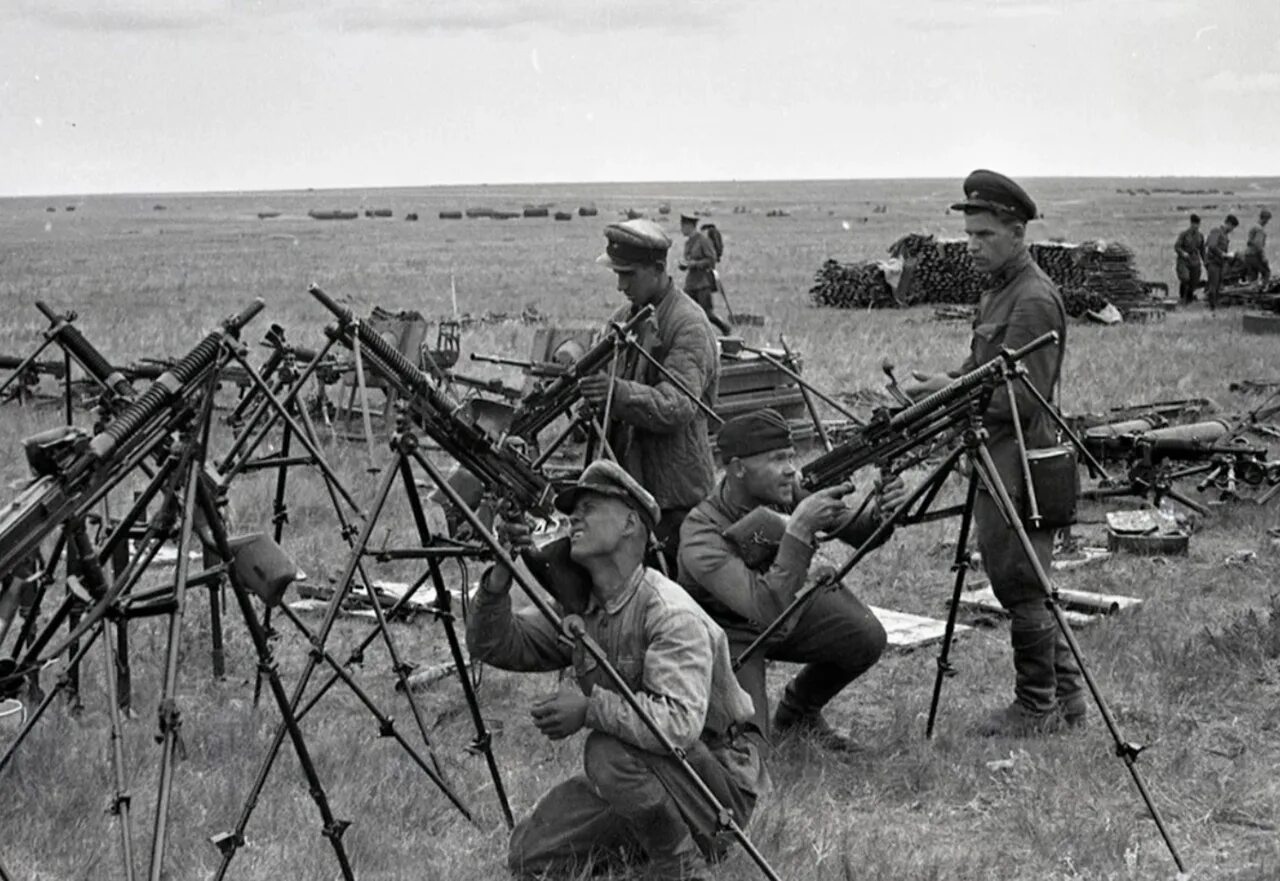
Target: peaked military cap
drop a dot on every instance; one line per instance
(1264, 214)
(689, 218)
(991, 191)
(632, 243)
(609, 479)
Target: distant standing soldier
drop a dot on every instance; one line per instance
(1255, 251)
(699, 265)
(659, 433)
(1190, 250)
(1217, 250)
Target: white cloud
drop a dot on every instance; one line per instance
(1233, 82)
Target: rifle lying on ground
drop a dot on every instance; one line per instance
(498, 465)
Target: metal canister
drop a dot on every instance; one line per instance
(1207, 432)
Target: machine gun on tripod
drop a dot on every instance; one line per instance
(1158, 457)
(113, 383)
(504, 473)
(557, 397)
(169, 422)
(896, 440)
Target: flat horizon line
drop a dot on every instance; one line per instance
(651, 182)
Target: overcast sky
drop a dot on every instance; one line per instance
(177, 95)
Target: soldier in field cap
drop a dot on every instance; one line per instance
(699, 266)
(659, 434)
(632, 799)
(1217, 252)
(1021, 303)
(1189, 248)
(746, 551)
(1255, 251)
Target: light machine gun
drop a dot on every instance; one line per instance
(507, 474)
(498, 465)
(74, 472)
(1154, 457)
(545, 405)
(957, 411)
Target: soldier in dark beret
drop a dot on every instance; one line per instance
(1189, 248)
(699, 267)
(1021, 303)
(835, 635)
(659, 434)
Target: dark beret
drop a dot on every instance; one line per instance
(760, 431)
(1264, 214)
(1232, 220)
(1195, 218)
(991, 191)
(632, 243)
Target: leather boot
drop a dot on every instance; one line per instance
(788, 722)
(1071, 695)
(1034, 709)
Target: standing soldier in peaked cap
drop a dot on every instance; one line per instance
(1255, 251)
(632, 800)
(1189, 248)
(659, 433)
(1021, 304)
(699, 266)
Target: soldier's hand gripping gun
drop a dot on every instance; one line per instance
(502, 469)
(544, 406)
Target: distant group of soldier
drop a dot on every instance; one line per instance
(1193, 250)
(673, 600)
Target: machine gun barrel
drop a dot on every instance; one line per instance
(86, 354)
(49, 368)
(497, 465)
(169, 383)
(891, 436)
(542, 407)
(535, 368)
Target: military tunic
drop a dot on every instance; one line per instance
(1023, 305)
(676, 661)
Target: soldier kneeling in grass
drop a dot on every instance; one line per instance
(634, 802)
(835, 635)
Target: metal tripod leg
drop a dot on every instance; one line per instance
(229, 843)
(170, 720)
(961, 568)
(444, 614)
(1128, 752)
(333, 828)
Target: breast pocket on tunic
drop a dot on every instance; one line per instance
(987, 339)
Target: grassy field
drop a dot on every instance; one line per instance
(1194, 672)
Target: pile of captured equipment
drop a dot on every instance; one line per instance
(934, 270)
